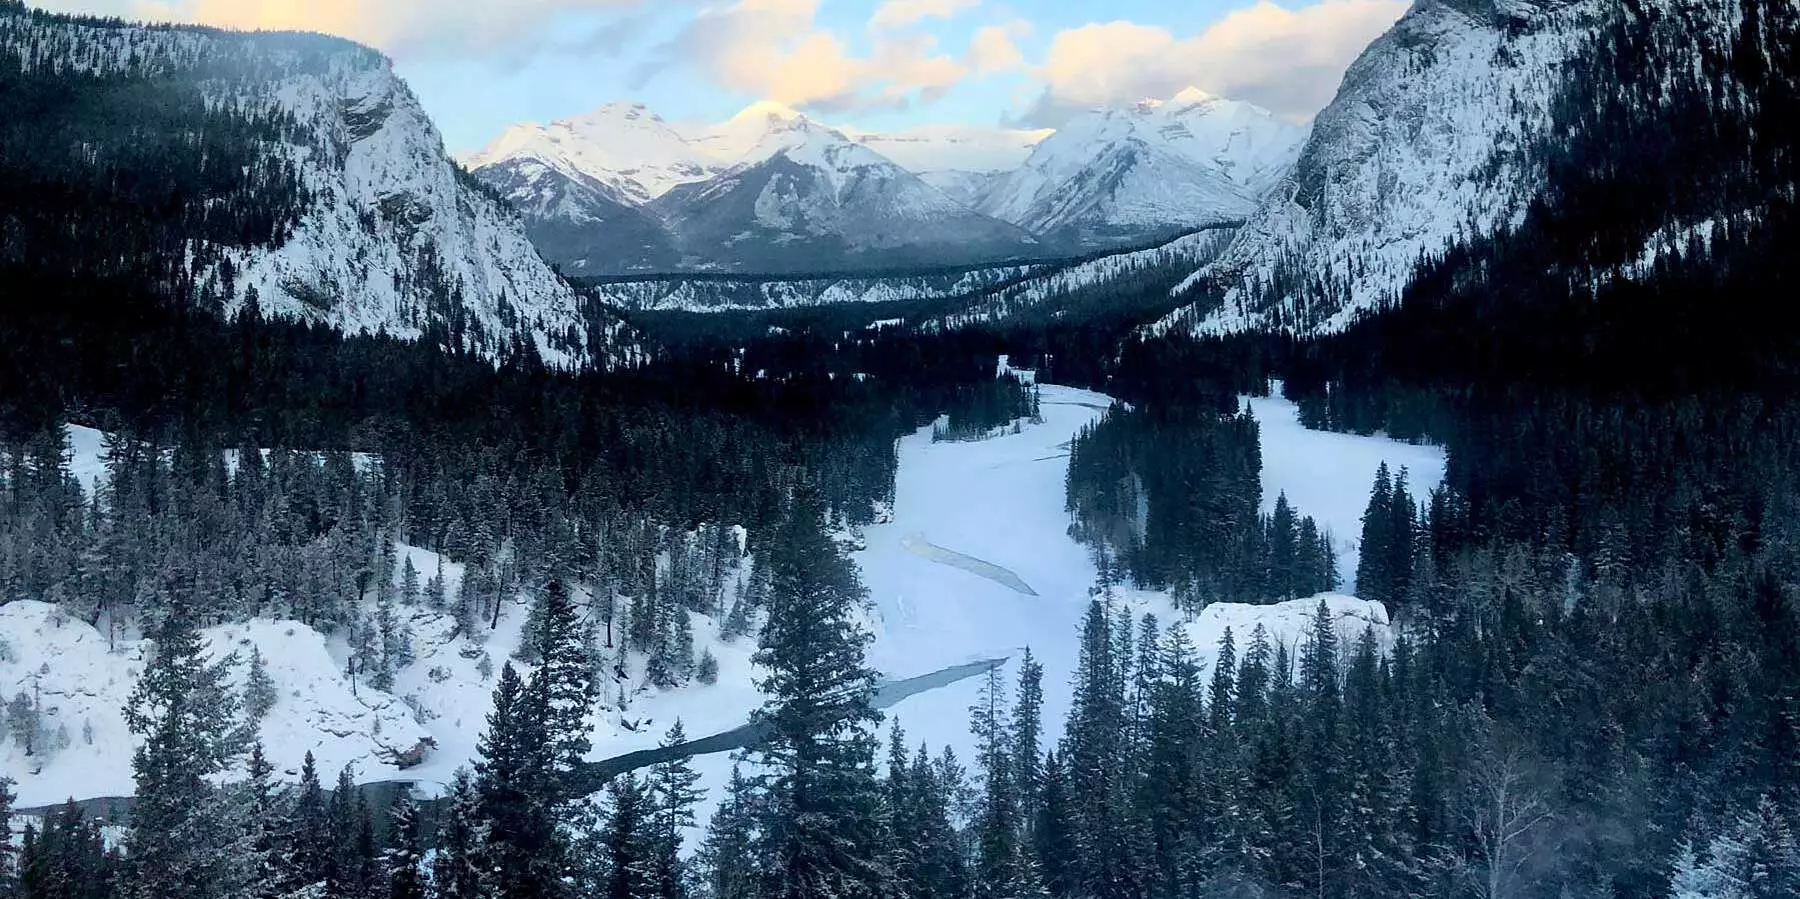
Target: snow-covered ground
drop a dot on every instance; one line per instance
(1000, 501)
(1329, 475)
(971, 521)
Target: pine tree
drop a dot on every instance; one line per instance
(1053, 836)
(309, 833)
(631, 850)
(562, 685)
(673, 792)
(517, 799)
(8, 854)
(725, 857)
(460, 859)
(998, 855)
(260, 695)
(1027, 731)
(1374, 579)
(404, 859)
(268, 862)
(1286, 571)
(180, 842)
(822, 807)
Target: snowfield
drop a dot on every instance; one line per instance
(971, 523)
(1000, 502)
(1328, 475)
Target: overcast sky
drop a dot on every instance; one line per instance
(480, 65)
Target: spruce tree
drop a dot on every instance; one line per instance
(181, 843)
(820, 818)
(1027, 731)
(726, 856)
(997, 827)
(524, 850)
(673, 791)
(8, 853)
(631, 850)
(1374, 578)
(404, 859)
(459, 864)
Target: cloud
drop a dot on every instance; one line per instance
(1287, 60)
(403, 28)
(775, 50)
(895, 14)
(994, 48)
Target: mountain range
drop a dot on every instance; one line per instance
(771, 190)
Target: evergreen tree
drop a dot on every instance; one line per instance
(180, 842)
(1374, 577)
(8, 854)
(998, 865)
(263, 818)
(260, 695)
(1027, 732)
(524, 850)
(725, 857)
(631, 849)
(309, 833)
(404, 859)
(822, 805)
(672, 792)
(459, 863)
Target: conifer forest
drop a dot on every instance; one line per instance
(1411, 514)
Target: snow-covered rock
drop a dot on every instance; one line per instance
(81, 678)
(1284, 624)
(1429, 137)
(719, 294)
(392, 236)
(807, 198)
(1114, 175)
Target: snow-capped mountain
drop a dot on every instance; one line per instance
(960, 160)
(1430, 136)
(387, 233)
(624, 147)
(807, 198)
(1110, 178)
(767, 190)
(1115, 175)
(568, 214)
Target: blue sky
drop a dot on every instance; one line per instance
(480, 65)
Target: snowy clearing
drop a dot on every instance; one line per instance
(1328, 475)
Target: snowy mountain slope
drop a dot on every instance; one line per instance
(1105, 280)
(624, 146)
(1154, 168)
(1001, 501)
(1112, 178)
(807, 198)
(767, 190)
(1429, 136)
(567, 214)
(931, 148)
(390, 235)
(730, 294)
(81, 685)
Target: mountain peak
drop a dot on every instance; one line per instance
(1192, 96)
(768, 110)
(629, 110)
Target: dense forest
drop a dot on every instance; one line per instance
(1592, 687)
